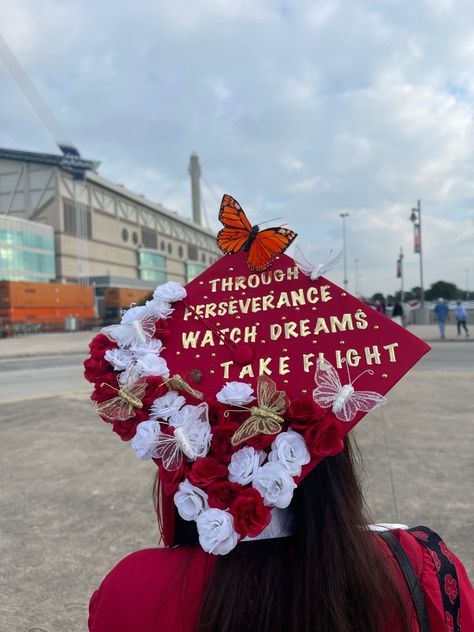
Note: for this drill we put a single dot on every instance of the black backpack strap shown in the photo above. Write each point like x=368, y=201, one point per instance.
x=446, y=571
x=410, y=578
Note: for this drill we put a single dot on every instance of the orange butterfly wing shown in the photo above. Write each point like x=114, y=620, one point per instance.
x=237, y=228
x=267, y=245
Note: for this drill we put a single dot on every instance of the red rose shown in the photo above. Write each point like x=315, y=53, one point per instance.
x=154, y=389
x=222, y=494
x=324, y=437
x=216, y=413
x=303, y=411
x=95, y=368
x=221, y=446
x=170, y=480
x=251, y=516
x=103, y=387
x=205, y=471
x=260, y=442
x=125, y=428
x=100, y=344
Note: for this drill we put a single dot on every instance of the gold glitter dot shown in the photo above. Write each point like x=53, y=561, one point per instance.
x=201, y=282
x=213, y=355
x=285, y=381
x=297, y=309
x=212, y=371
x=376, y=327
x=342, y=342
x=258, y=324
x=243, y=293
x=285, y=350
x=344, y=294
x=283, y=317
x=231, y=298
x=218, y=324
x=384, y=375
x=197, y=355
x=304, y=391
x=314, y=309
x=178, y=352
x=231, y=269
x=263, y=341
x=205, y=298
x=314, y=342
x=272, y=291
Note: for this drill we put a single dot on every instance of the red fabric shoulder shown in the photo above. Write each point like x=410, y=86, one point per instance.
x=424, y=564
x=152, y=590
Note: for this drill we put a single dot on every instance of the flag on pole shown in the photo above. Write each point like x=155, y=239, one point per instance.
x=417, y=238
x=399, y=268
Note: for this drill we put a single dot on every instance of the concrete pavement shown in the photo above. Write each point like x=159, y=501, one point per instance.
x=75, y=500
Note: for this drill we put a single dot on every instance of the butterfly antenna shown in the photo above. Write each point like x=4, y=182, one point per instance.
x=369, y=371
x=240, y=409
x=268, y=221
x=110, y=386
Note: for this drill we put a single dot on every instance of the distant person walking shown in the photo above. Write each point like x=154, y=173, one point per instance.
x=397, y=313
x=461, y=318
x=441, y=311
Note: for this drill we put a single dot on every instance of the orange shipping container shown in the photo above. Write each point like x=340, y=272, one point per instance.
x=24, y=294
x=45, y=315
x=122, y=297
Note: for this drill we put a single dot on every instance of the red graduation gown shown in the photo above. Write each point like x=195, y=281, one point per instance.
x=160, y=590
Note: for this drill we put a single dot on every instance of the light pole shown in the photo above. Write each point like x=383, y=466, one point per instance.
x=343, y=216
x=415, y=218
x=356, y=286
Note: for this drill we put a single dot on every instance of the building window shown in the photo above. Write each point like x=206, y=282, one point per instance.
x=162, y=246
x=26, y=256
x=193, y=270
x=135, y=237
x=77, y=220
x=203, y=258
x=192, y=253
x=170, y=249
x=149, y=238
x=180, y=252
x=151, y=266
x=125, y=234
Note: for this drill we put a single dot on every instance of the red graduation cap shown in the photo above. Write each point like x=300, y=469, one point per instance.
x=269, y=370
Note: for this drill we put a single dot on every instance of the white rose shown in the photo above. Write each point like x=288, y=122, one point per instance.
x=274, y=484
x=190, y=501
x=170, y=292
x=289, y=449
x=146, y=438
x=167, y=405
x=151, y=364
x=244, y=465
x=236, y=393
x=130, y=375
x=194, y=426
x=158, y=309
x=216, y=531
x=118, y=358
x=140, y=349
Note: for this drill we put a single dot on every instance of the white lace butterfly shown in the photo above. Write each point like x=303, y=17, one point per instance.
x=344, y=400
x=315, y=271
x=191, y=437
x=136, y=328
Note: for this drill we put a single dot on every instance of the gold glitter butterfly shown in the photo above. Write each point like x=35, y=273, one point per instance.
x=123, y=406
x=267, y=416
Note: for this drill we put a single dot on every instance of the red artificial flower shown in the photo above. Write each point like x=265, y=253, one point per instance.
x=205, y=471
x=126, y=428
x=251, y=516
x=221, y=446
x=216, y=413
x=100, y=344
x=222, y=494
x=154, y=390
x=170, y=480
x=324, y=437
x=106, y=387
x=95, y=368
x=303, y=411
x=260, y=442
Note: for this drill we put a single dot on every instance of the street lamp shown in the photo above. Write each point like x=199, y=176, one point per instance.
x=415, y=218
x=343, y=216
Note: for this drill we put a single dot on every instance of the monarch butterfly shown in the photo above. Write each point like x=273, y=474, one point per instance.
x=238, y=234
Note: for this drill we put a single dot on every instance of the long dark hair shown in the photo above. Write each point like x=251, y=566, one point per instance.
x=329, y=577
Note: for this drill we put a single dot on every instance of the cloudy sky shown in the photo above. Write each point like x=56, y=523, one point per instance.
x=301, y=109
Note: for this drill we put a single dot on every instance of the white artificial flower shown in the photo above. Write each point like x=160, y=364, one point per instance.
x=244, y=465
x=236, y=393
x=190, y=501
x=274, y=484
x=119, y=358
x=289, y=449
x=170, y=292
x=216, y=531
x=130, y=375
x=158, y=309
x=146, y=438
x=152, y=364
x=140, y=349
x=167, y=405
x=133, y=314
x=136, y=327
